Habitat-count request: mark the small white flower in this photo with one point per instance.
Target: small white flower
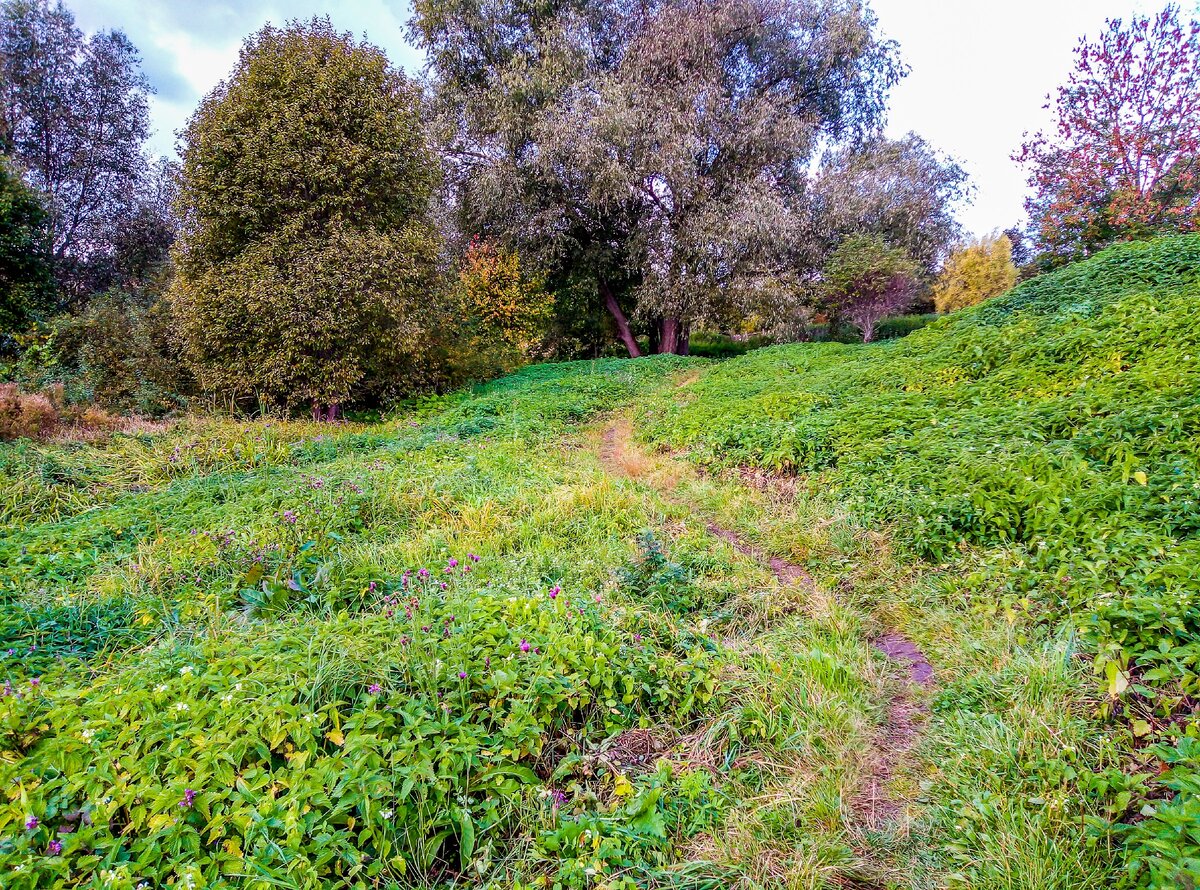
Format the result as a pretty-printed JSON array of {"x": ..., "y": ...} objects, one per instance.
[
  {"x": 181, "y": 706},
  {"x": 161, "y": 687},
  {"x": 387, "y": 814},
  {"x": 185, "y": 670}
]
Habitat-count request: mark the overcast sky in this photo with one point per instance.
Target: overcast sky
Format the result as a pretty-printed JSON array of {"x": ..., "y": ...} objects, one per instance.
[{"x": 981, "y": 69}]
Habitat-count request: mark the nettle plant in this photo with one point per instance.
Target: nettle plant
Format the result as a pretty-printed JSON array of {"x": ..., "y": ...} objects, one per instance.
[{"x": 392, "y": 744}]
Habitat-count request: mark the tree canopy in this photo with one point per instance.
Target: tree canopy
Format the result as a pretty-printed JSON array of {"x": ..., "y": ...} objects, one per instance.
[
  {"x": 1123, "y": 160},
  {"x": 74, "y": 114},
  {"x": 654, "y": 147},
  {"x": 976, "y": 271}
]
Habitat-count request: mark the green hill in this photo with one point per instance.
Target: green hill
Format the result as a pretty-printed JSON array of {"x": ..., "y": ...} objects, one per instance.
[{"x": 494, "y": 642}]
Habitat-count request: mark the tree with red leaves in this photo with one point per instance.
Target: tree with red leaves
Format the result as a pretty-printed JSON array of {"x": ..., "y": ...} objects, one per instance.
[{"x": 1123, "y": 161}]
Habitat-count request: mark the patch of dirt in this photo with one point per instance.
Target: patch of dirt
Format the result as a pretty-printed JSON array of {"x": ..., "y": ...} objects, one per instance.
[{"x": 876, "y": 805}]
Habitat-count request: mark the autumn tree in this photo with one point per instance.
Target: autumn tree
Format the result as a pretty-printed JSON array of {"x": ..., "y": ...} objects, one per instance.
[
  {"x": 1123, "y": 159},
  {"x": 976, "y": 271},
  {"x": 653, "y": 146},
  {"x": 305, "y": 262},
  {"x": 74, "y": 115},
  {"x": 867, "y": 280}
]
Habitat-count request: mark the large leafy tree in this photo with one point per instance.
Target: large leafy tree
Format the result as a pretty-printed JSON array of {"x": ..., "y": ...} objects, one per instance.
[
  {"x": 74, "y": 115},
  {"x": 654, "y": 146},
  {"x": 1123, "y": 160},
  {"x": 902, "y": 190},
  {"x": 305, "y": 260}
]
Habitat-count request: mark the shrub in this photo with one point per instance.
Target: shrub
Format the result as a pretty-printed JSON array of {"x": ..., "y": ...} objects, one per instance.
[
  {"x": 867, "y": 280},
  {"x": 975, "y": 272},
  {"x": 28, "y": 415}
]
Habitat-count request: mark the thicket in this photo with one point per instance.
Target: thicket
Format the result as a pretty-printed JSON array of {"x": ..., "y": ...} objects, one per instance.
[{"x": 1050, "y": 432}]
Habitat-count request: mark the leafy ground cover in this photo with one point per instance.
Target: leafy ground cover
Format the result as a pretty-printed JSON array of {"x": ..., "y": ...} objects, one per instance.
[
  {"x": 1045, "y": 446},
  {"x": 617, "y": 624}
]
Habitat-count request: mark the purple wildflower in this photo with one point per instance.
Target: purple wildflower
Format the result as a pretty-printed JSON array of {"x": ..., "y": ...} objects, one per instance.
[
  {"x": 423, "y": 573},
  {"x": 525, "y": 647},
  {"x": 555, "y": 592},
  {"x": 189, "y": 798},
  {"x": 288, "y": 516},
  {"x": 31, "y": 823},
  {"x": 472, "y": 557},
  {"x": 462, "y": 675},
  {"x": 371, "y": 587},
  {"x": 452, "y": 563},
  {"x": 374, "y": 689},
  {"x": 35, "y": 682},
  {"x": 54, "y": 848}
]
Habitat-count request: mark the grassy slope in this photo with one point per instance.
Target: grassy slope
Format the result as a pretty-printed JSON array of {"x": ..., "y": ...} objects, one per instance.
[
  {"x": 1043, "y": 446},
  {"x": 210, "y": 608}
]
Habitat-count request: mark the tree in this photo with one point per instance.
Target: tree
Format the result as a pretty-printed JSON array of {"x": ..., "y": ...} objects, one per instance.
[
  {"x": 74, "y": 114},
  {"x": 503, "y": 311},
  {"x": 866, "y": 280},
  {"x": 652, "y": 145},
  {"x": 26, "y": 287},
  {"x": 1123, "y": 160},
  {"x": 901, "y": 190},
  {"x": 305, "y": 260},
  {"x": 977, "y": 271}
]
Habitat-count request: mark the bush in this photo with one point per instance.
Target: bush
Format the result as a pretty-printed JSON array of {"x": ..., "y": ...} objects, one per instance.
[{"x": 25, "y": 415}]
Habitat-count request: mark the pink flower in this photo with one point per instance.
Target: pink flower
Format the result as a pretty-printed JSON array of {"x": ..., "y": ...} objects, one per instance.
[
  {"x": 525, "y": 647},
  {"x": 555, "y": 592},
  {"x": 374, "y": 689},
  {"x": 472, "y": 557},
  {"x": 462, "y": 675},
  {"x": 452, "y": 563}
]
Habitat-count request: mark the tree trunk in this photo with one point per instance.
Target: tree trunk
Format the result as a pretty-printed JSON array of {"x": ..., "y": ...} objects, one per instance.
[
  {"x": 614, "y": 308},
  {"x": 673, "y": 336}
]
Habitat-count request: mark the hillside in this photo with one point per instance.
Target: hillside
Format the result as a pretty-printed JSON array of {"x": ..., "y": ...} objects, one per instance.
[{"x": 914, "y": 614}]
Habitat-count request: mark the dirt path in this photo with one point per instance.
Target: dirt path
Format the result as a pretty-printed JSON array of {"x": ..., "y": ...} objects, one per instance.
[{"x": 876, "y": 805}]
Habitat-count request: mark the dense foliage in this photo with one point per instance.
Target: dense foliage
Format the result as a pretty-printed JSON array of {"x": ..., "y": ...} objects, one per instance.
[
  {"x": 305, "y": 260},
  {"x": 1055, "y": 428},
  {"x": 975, "y": 272},
  {"x": 654, "y": 149},
  {"x": 26, "y": 287}
]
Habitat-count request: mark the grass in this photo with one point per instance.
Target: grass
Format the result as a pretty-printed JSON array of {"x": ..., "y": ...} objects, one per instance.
[{"x": 227, "y": 668}]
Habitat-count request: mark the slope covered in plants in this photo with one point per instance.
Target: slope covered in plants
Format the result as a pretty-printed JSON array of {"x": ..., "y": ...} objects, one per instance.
[{"x": 1048, "y": 442}]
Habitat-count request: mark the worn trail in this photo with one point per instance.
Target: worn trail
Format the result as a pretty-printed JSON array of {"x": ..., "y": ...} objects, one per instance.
[{"x": 875, "y": 805}]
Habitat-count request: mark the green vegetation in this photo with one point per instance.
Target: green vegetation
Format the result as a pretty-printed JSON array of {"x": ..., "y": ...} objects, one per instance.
[
  {"x": 1045, "y": 443},
  {"x": 491, "y": 641}
]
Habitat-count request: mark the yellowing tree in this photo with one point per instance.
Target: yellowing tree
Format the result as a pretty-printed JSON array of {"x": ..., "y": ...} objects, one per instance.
[{"x": 975, "y": 272}]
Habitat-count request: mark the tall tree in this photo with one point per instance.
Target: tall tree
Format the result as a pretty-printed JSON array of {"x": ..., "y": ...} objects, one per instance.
[
  {"x": 74, "y": 114},
  {"x": 1123, "y": 160},
  {"x": 653, "y": 145},
  {"x": 305, "y": 257},
  {"x": 902, "y": 190}
]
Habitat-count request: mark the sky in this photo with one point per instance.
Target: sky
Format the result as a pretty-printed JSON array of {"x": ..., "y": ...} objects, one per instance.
[{"x": 980, "y": 69}]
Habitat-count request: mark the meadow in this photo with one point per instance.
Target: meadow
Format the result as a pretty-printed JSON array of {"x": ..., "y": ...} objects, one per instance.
[{"x": 637, "y": 623}]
